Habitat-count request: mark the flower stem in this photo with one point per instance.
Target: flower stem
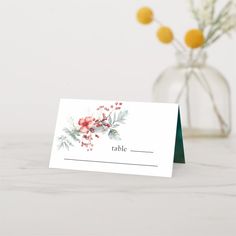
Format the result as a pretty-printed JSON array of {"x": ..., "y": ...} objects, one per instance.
[
  {"x": 188, "y": 103},
  {"x": 223, "y": 125}
]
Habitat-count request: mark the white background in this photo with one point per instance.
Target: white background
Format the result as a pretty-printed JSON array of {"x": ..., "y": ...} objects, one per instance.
[{"x": 85, "y": 49}]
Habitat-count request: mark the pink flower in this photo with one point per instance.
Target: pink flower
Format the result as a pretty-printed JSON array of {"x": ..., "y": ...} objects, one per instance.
[{"x": 85, "y": 124}]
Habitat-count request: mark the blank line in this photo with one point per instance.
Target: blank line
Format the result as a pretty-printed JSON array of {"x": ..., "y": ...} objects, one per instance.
[
  {"x": 109, "y": 162},
  {"x": 142, "y": 151}
]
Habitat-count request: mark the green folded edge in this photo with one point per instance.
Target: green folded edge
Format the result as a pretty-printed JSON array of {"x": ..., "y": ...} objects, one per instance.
[{"x": 179, "y": 145}]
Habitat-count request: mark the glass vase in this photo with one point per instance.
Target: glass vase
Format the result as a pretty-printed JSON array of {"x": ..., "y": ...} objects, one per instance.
[{"x": 202, "y": 93}]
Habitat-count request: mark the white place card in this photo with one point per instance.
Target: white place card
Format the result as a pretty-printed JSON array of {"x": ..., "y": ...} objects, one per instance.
[{"x": 117, "y": 136}]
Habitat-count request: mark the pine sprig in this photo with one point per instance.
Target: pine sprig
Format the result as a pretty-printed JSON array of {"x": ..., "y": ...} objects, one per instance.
[
  {"x": 115, "y": 122},
  {"x": 120, "y": 118},
  {"x": 72, "y": 133},
  {"x": 64, "y": 142},
  {"x": 69, "y": 136}
]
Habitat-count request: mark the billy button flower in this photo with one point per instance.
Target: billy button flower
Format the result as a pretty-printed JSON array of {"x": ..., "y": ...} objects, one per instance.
[
  {"x": 165, "y": 35},
  {"x": 194, "y": 38},
  {"x": 145, "y": 15}
]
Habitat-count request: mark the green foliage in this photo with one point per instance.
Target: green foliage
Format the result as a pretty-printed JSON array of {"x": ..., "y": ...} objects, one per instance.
[
  {"x": 113, "y": 134},
  {"x": 64, "y": 142},
  {"x": 72, "y": 133},
  {"x": 119, "y": 119}
]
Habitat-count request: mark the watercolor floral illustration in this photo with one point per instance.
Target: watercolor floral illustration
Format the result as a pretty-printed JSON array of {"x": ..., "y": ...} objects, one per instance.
[{"x": 83, "y": 131}]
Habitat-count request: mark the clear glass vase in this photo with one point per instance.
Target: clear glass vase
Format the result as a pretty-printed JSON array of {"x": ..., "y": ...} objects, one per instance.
[{"x": 202, "y": 93}]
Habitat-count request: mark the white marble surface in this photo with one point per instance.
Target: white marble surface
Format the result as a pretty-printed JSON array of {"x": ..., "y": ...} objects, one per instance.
[{"x": 200, "y": 199}]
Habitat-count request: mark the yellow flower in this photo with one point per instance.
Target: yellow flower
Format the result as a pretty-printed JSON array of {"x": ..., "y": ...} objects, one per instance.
[
  {"x": 165, "y": 35},
  {"x": 194, "y": 38},
  {"x": 145, "y": 15}
]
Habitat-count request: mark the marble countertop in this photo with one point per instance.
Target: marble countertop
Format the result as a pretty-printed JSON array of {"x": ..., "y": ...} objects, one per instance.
[{"x": 200, "y": 199}]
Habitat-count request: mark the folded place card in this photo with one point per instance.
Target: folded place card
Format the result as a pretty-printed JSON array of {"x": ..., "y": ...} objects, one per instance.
[{"x": 119, "y": 137}]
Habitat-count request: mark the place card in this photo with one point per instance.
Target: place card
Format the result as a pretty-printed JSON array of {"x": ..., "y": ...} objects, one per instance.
[{"x": 117, "y": 136}]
